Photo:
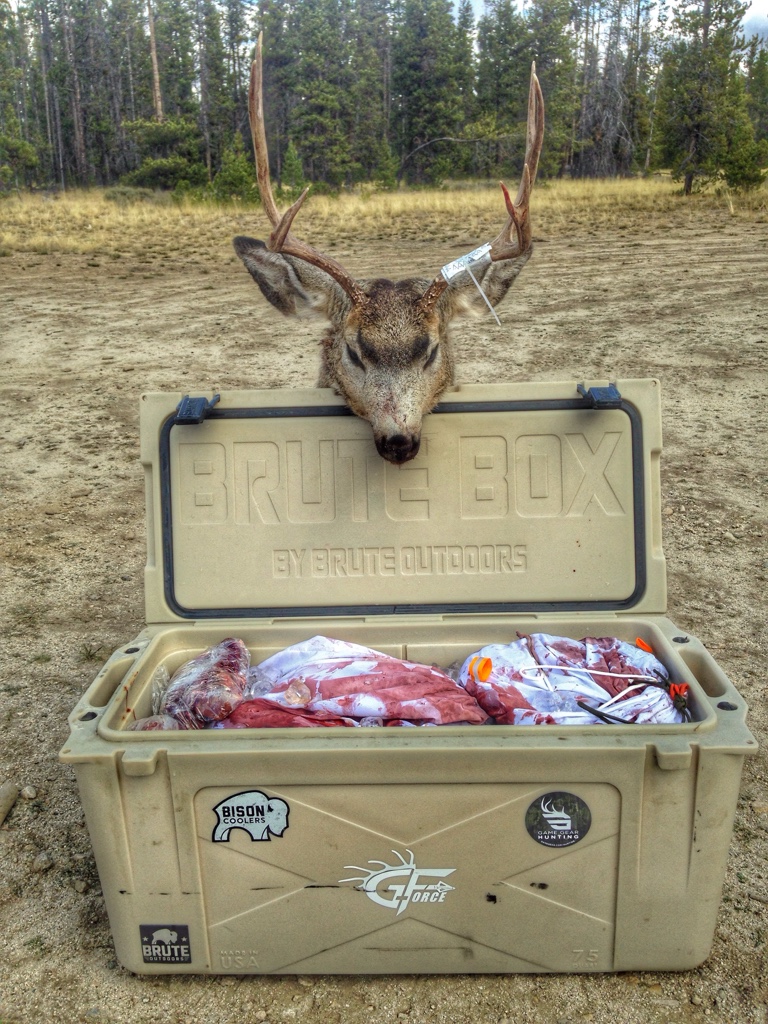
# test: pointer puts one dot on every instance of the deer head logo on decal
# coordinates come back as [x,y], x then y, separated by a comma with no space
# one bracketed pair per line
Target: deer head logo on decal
[387,351]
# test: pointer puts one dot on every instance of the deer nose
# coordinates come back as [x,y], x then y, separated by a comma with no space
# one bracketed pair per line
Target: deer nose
[398,448]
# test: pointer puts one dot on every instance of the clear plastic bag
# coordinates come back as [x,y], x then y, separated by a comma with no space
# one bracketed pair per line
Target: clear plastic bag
[160,681]
[351,681]
[268,714]
[209,687]
[550,680]
[160,723]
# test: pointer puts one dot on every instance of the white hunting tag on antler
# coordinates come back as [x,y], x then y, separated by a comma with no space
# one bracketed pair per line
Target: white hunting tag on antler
[477,258]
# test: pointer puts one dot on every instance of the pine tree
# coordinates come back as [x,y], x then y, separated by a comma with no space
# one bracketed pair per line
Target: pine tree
[550,43]
[502,81]
[464,59]
[704,126]
[425,93]
[757,87]
[501,72]
[236,179]
[176,45]
[293,182]
[370,156]
[215,103]
[236,34]
[131,79]
[321,117]
[15,156]
[279,76]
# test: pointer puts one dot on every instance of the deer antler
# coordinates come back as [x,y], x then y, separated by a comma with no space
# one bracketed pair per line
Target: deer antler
[514,239]
[281,240]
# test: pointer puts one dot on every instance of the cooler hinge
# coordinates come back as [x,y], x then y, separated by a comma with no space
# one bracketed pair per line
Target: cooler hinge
[194,410]
[601,398]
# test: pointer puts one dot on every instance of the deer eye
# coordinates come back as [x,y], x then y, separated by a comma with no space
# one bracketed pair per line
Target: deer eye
[431,357]
[355,358]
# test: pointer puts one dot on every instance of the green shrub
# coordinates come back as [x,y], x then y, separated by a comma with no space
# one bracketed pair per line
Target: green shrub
[127,195]
[237,178]
[167,173]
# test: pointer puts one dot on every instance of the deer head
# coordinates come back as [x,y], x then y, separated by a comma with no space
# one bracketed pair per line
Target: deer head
[387,351]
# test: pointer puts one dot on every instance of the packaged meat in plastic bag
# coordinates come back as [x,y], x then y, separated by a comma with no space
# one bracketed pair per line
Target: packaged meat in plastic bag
[548,680]
[160,681]
[155,722]
[209,687]
[268,714]
[351,681]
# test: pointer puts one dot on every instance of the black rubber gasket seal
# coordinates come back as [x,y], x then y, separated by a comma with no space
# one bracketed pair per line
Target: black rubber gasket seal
[447,608]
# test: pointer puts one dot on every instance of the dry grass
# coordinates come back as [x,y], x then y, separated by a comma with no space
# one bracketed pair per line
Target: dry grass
[87,222]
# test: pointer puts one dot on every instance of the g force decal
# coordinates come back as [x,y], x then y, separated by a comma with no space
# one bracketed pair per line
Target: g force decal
[256,813]
[558,819]
[410,890]
[165,943]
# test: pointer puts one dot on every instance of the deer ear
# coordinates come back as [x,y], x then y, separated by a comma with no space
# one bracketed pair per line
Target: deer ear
[273,274]
[459,302]
[291,286]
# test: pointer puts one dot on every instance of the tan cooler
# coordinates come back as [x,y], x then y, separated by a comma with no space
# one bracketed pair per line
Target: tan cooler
[270,517]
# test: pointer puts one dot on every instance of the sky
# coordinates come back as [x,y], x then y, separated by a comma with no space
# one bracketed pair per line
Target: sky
[756,19]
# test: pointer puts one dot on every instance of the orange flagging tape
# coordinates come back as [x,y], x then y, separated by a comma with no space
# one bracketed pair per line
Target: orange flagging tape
[480,669]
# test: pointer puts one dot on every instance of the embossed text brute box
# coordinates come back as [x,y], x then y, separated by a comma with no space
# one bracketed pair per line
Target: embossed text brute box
[457,849]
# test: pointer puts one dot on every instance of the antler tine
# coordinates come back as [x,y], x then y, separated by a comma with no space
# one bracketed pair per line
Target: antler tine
[259,136]
[535,126]
[281,240]
[504,247]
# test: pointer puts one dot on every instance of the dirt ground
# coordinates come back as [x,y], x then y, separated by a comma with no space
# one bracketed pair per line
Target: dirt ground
[83,336]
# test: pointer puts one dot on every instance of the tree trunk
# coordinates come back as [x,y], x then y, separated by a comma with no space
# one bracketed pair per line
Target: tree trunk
[204,94]
[131,91]
[59,140]
[46,95]
[81,160]
[156,95]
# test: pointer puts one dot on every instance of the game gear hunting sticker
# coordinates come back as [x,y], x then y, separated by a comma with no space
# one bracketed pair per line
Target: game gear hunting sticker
[165,943]
[558,819]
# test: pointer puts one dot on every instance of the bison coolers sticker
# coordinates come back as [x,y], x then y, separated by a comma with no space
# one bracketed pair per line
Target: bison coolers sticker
[256,813]
[558,819]
[397,885]
[165,943]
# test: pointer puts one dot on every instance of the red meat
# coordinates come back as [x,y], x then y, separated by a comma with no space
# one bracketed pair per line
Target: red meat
[266,714]
[209,687]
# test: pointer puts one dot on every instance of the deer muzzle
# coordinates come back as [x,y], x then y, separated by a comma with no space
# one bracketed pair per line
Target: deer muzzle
[398,448]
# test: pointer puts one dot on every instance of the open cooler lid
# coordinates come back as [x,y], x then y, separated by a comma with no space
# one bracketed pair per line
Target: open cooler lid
[539,497]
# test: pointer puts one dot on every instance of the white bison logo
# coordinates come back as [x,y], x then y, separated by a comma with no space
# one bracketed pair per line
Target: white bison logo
[256,813]
[164,935]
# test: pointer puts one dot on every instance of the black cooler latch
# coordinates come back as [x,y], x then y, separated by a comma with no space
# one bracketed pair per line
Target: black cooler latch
[194,410]
[601,398]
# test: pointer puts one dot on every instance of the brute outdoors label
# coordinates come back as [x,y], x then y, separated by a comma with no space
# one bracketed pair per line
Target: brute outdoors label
[558,819]
[165,943]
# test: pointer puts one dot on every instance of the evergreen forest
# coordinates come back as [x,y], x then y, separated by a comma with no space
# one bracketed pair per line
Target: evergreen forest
[153,94]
